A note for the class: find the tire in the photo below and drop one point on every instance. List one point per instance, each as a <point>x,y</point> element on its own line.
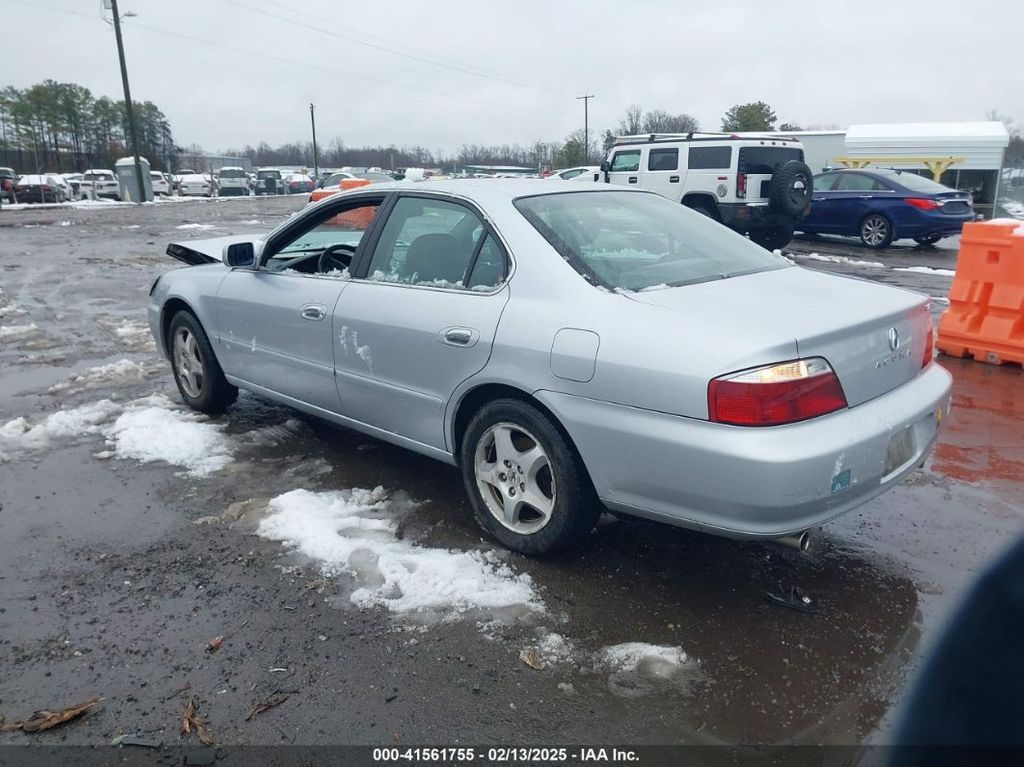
<point>791,188</point>
<point>773,238</point>
<point>705,209</point>
<point>875,231</point>
<point>566,506</point>
<point>928,239</point>
<point>205,389</point>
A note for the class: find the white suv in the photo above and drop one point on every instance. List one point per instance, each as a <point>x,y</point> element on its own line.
<point>756,185</point>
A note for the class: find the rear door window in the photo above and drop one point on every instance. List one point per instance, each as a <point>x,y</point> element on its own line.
<point>710,158</point>
<point>857,182</point>
<point>663,159</point>
<point>825,182</point>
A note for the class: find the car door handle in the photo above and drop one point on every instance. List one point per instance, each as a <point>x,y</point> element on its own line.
<point>458,336</point>
<point>673,179</point>
<point>865,196</point>
<point>631,179</point>
<point>314,312</point>
<point>818,199</point>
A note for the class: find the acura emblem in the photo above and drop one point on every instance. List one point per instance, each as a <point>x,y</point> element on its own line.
<point>894,339</point>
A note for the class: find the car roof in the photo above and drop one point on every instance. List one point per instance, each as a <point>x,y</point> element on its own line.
<point>494,189</point>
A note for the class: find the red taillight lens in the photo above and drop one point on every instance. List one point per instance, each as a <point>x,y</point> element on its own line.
<point>741,184</point>
<point>922,204</point>
<point>929,346</point>
<point>776,394</point>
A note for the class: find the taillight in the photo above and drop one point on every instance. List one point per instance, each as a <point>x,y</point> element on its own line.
<point>929,346</point>
<point>922,203</point>
<point>776,394</point>
<point>741,185</point>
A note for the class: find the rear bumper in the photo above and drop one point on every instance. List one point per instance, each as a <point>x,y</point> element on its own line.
<point>923,224</point>
<point>748,218</point>
<point>750,482</point>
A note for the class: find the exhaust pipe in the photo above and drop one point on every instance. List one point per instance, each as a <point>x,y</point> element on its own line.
<point>800,541</point>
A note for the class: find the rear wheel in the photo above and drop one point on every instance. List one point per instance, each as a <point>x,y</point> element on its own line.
<point>773,238</point>
<point>197,373</point>
<point>528,488</point>
<point>705,209</point>
<point>875,231</point>
<point>928,239</point>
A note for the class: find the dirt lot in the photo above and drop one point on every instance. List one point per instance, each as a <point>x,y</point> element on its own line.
<point>117,573</point>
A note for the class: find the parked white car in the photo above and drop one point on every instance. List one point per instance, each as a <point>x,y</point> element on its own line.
<point>195,185</point>
<point>579,173</point>
<point>99,183</point>
<point>233,181</point>
<point>161,185</point>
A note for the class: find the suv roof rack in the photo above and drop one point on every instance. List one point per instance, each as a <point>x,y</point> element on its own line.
<point>651,138</point>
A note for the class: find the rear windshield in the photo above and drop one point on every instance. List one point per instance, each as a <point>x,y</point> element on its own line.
<point>269,174</point>
<point>97,177</point>
<point>638,241</point>
<point>232,174</point>
<point>918,183</point>
<point>765,159</point>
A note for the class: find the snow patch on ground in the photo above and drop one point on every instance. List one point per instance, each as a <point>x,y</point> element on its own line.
<point>17,331</point>
<point>355,532</point>
<point>134,335</point>
<point>554,648</point>
<point>653,660</point>
<point>20,437</point>
<point>12,311</point>
<point>839,260</point>
<point>161,432</point>
<point>147,430</point>
<point>1014,208</point>
<point>196,226</point>
<point>925,270</point>
<point>122,371</point>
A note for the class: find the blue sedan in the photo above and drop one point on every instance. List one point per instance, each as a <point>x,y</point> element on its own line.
<point>881,205</point>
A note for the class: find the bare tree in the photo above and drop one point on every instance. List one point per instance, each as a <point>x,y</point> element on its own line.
<point>633,122</point>
<point>660,121</point>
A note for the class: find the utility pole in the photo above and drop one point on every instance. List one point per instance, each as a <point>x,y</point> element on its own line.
<point>586,128</point>
<point>128,103</point>
<point>316,161</point>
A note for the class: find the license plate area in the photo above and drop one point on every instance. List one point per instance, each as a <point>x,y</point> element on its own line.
<point>900,450</point>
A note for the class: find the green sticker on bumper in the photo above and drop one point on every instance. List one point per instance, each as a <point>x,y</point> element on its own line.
<point>840,481</point>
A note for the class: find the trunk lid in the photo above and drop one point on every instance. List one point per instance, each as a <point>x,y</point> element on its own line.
<point>872,335</point>
<point>206,251</point>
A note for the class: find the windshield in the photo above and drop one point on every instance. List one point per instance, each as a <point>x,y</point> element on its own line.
<point>641,241</point>
<point>225,173</point>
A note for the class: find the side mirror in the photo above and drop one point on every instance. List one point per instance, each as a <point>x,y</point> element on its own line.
<point>240,255</point>
<point>605,167</point>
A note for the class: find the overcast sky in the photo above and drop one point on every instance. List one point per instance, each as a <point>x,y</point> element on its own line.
<point>446,72</point>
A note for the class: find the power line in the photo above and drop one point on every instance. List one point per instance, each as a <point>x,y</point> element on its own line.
<point>434,61</point>
<point>363,35</point>
<point>305,64</point>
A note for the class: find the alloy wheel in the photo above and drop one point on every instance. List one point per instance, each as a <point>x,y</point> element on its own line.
<point>188,365</point>
<point>874,230</point>
<point>514,477</point>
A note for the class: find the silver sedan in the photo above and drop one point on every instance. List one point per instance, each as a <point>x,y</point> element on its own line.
<point>571,349</point>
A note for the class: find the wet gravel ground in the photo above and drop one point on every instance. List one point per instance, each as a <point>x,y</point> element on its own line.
<point>115,575</point>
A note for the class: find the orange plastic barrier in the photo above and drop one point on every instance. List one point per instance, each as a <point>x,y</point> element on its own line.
<point>344,186</point>
<point>985,319</point>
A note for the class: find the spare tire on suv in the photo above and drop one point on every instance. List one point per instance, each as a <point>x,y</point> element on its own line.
<point>791,188</point>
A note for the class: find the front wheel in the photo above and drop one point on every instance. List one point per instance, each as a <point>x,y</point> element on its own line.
<point>197,373</point>
<point>876,231</point>
<point>528,488</point>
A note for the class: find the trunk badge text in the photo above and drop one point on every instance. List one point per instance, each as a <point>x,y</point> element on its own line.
<point>898,354</point>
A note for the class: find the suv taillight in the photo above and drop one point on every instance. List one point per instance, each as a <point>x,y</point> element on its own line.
<point>922,203</point>
<point>929,346</point>
<point>776,394</point>
<point>741,185</point>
